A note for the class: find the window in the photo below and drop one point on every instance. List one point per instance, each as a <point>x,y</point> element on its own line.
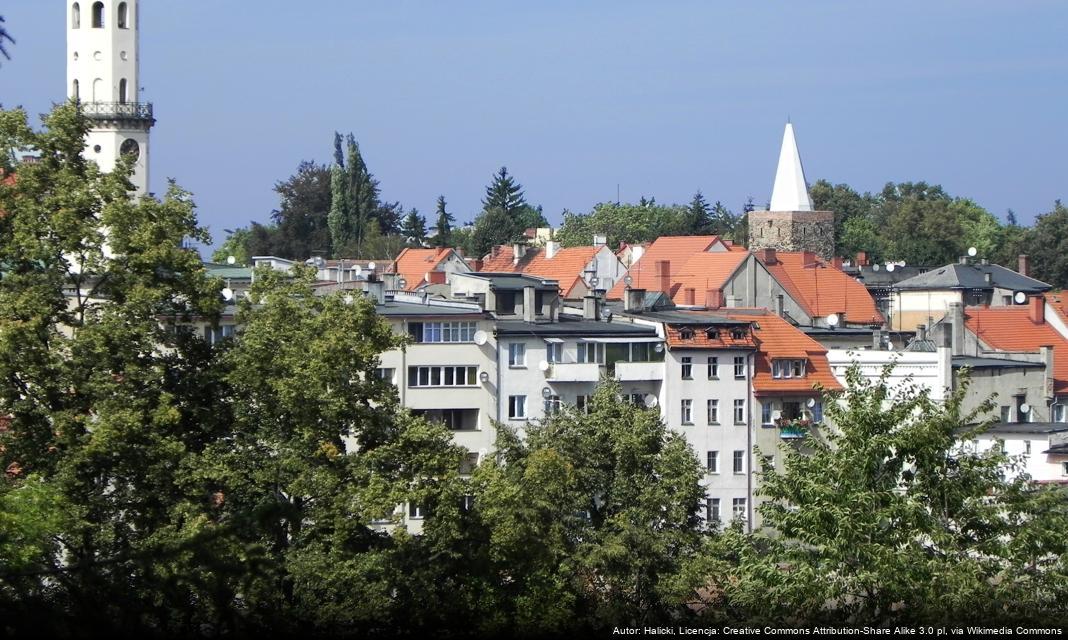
<point>590,352</point>
<point>517,354</point>
<point>98,15</point>
<point>416,511</point>
<point>686,334</point>
<point>384,373</point>
<point>713,412</point>
<point>451,419</point>
<point>443,331</point>
<point>517,407</point>
<point>124,17</point>
<point>739,461</point>
<point>713,367</point>
<point>75,16</point>
<point>687,368</point>
<point>739,412</point>
<point>738,510</point>
<point>712,334</point>
<point>552,405</point>
<point>1064,468</point>
<point>446,376</point>
<point>788,368</point>
<point>215,335</point>
<point>739,366</point>
<point>75,91</point>
<point>1058,413</point>
<point>467,503</point>
<point>817,412</point>
<point>766,412</point>
<point>712,462</point>
<point>554,352</point>
<point>469,462</point>
<point>122,91</point>
<point>687,412</point>
<point>582,403</point>
<point>1027,447</point>
<point>646,352</point>
<point>712,511</point>
<point>738,334</point>
<point>769,463</point>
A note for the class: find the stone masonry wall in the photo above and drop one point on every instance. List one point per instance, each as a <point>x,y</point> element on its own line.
<point>793,231</point>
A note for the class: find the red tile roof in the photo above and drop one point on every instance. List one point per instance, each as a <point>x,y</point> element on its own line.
<point>566,266</point>
<point>1059,302</point>
<point>1011,329</point>
<point>776,338</point>
<point>675,249</point>
<point>704,271</point>
<point>820,288</point>
<point>413,264</point>
<point>724,338</point>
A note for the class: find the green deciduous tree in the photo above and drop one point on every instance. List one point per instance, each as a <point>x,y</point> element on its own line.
<point>631,223</point>
<point>890,517</point>
<point>1047,244</point>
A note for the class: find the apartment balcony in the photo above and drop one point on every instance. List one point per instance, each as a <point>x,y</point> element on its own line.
<point>574,372</point>
<point>639,371</point>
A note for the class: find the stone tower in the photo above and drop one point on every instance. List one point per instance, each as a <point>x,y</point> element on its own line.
<point>791,224</point>
<point>102,73</point>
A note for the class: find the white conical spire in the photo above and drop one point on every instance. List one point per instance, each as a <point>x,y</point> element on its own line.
<point>790,192</point>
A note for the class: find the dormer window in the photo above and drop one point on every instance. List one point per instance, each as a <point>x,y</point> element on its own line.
<point>712,334</point>
<point>738,334</point>
<point>793,368</point>
<point>686,334</point>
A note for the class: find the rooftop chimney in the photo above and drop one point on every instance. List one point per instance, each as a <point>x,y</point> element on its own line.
<point>590,308</point>
<point>633,301</point>
<point>963,260</point>
<point>780,306</point>
<point>551,248</point>
<point>529,303</point>
<point>690,296</point>
<point>769,256</point>
<point>663,274</point>
<point>518,251</point>
<point>862,259</point>
<point>956,314</point>
<point>808,258</point>
<point>714,298</point>
<point>877,339</point>
<point>837,262</point>
<point>1036,309</point>
<point>600,239</point>
<point>1024,267</point>
<point>921,332</point>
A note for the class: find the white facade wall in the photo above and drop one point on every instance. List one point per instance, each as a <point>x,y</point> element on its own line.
<point>1041,466</point>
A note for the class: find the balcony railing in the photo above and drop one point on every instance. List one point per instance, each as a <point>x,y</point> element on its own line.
<point>790,428</point>
<point>118,110</point>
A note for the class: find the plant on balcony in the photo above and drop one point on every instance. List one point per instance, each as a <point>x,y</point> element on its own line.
<point>793,427</point>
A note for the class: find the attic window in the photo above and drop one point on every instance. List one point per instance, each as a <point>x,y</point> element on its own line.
<point>738,334</point>
<point>712,334</point>
<point>788,368</point>
<point>686,334</point>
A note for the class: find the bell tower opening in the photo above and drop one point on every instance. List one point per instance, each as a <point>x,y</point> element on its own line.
<point>98,15</point>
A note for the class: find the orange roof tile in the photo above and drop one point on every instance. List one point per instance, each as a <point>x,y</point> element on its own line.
<point>566,266</point>
<point>413,264</point>
<point>1059,302</point>
<point>820,288</point>
<point>723,338</point>
<point>704,271</point>
<point>675,249</point>
<point>777,338</point>
<point>1011,329</point>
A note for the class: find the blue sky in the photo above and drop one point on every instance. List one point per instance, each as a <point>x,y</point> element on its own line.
<point>659,98</point>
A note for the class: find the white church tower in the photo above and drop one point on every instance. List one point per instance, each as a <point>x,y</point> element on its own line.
<point>103,73</point>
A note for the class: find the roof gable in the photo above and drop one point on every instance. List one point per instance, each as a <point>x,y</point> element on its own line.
<point>676,250</point>
<point>820,288</point>
<point>1011,329</point>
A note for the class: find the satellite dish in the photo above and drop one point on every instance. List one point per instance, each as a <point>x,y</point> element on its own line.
<point>371,266</point>
<point>546,392</point>
<point>972,251</point>
<point>426,277</point>
<point>593,281</point>
<point>811,403</point>
<point>875,267</point>
<point>659,347</point>
<point>627,280</point>
<point>402,283</point>
<point>833,320</point>
<point>480,338</point>
<point>650,400</point>
<point>891,266</point>
<point>348,299</point>
<point>230,260</point>
<point>1025,408</point>
<point>357,269</point>
<point>228,293</point>
<point>543,365</point>
<point>1019,297</point>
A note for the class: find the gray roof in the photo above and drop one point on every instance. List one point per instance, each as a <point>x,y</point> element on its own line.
<point>509,281</point>
<point>921,346</point>
<point>574,328</point>
<point>393,308</point>
<point>702,317</point>
<point>973,276</point>
<point>1058,449</point>
<point>994,363</point>
<point>874,276</point>
<point>1042,428</point>
<point>227,271</point>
